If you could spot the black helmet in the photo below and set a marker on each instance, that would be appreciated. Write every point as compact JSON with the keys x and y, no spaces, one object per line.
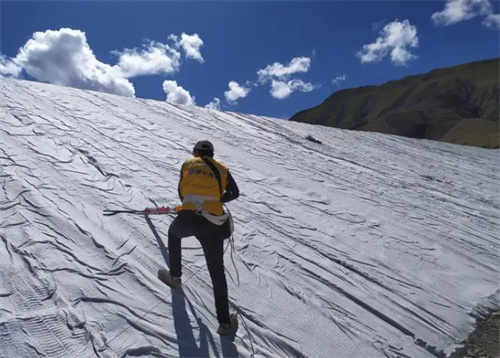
{"x":204,"y":146}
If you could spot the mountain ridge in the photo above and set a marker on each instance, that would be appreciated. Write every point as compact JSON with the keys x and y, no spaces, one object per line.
{"x":458,"y":104}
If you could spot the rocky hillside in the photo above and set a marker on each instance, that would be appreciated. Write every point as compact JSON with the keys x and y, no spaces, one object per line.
{"x":458,"y":104}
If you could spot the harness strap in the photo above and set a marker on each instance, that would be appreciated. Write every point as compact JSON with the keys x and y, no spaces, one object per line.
{"x":218,"y":220}
{"x":216,"y":173}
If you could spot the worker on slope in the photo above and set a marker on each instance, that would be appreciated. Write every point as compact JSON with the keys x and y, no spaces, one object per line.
{"x":204,"y":185}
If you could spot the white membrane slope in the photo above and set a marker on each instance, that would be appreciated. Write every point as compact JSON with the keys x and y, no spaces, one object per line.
{"x":366,"y":245}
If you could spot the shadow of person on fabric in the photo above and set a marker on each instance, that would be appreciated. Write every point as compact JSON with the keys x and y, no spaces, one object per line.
{"x":227,"y":346}
{"x":182,"y":323}
{"x":184,"y":330}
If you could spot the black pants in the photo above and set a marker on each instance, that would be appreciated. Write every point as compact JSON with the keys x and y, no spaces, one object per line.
{"x":188,"y":223}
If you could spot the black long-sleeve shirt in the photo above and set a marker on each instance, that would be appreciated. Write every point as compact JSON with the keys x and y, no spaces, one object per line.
{"x":232,"y":191}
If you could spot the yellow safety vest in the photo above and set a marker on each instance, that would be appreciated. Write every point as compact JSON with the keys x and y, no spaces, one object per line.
{"x":199,"y":186}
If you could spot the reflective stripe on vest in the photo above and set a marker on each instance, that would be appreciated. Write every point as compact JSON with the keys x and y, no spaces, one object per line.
{"x":198,"y":200}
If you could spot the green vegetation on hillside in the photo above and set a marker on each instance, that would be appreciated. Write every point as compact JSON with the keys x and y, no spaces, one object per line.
{"x":458,"y":104}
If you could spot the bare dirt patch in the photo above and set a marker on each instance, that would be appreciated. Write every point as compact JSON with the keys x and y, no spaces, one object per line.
{"x":484,"y":342}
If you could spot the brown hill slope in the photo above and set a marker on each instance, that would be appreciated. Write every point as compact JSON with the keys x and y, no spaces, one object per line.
{"x":458,"y":104}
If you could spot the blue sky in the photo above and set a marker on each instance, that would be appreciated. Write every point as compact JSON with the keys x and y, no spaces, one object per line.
{"x":300,"y":47}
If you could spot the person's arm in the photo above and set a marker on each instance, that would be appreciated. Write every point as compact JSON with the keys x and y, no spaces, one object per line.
{"x":232,"y":191}
{"x":179,"y":185}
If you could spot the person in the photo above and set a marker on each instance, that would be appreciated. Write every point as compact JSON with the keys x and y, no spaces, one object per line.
{"x":204,"y":185}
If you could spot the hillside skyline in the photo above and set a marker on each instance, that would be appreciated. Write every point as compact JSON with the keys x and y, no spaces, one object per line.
{"x":289,"y":57}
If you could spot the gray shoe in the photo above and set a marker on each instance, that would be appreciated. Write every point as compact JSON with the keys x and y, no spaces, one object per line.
{"x":226,"y":328}
{"x":172,"y":281}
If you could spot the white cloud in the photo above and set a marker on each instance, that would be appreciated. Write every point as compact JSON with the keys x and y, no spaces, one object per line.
{"x":282,"y":86}
{"x":282,"y":90}
{"x":401,"y":56}
{"x":460,"y":10}
{"x":215,"y":104}
{"x":174,"y":38}
{"x":191,"y":45}
{"x":176,"y":94}
{"x":339,"y":79}
{"x":493,"y":21}
{"x":395,"y":38}
{"x":235,"y":92}
{"x":156,"y":58}
{"x":63,"y":57}
{"x":281,"y":72}
{"x":159,"y":58}
{"x":9,"y":68}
